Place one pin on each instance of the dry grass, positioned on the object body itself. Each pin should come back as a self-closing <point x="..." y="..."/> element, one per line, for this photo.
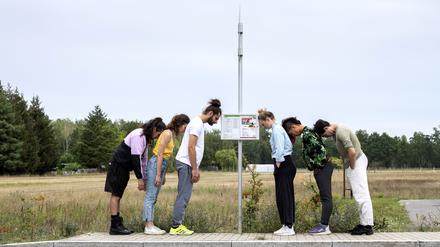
<point x="403" y="184"/>
<point x="51" y="207"/>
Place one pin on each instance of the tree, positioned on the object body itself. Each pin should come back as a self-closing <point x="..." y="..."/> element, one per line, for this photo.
<point x="421" y="150"/>
<point x="63" y="130"/>
<point x="435" y="140"/>
<point x="227" y="159"/>
<point x="403" y="155"/>
<point x="389" y="150"/>
<point x="213" y="143"/>
<point x="258" y="152"/>
<point x="75" y="139"/>
<point x="125" y="127"/>
<point x="98" y="140"/>
<point x="24" y="127"/>
<point x="10" y="145"/>
<point x="46" y="146"/>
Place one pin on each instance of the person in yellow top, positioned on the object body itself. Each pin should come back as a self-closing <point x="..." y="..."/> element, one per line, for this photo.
<point x="157" y="167"/>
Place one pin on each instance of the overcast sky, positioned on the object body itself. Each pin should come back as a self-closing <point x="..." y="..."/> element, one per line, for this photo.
<point x="372" y="65"/>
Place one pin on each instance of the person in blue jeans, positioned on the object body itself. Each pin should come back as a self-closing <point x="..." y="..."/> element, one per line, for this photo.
<point x="157" y="167"/>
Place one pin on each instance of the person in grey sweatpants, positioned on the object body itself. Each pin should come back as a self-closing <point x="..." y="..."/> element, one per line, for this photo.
<point x="184" y="191"/>
<point x="188" y="160"/>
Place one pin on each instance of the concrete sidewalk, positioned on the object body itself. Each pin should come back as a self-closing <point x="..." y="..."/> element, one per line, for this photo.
<point x="422" y="210"/>
<point x="395" y="239"/>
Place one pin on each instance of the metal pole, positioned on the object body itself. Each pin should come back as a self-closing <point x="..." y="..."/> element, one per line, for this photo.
<point x="240" y="109"/>
<point x="343" y="181"/>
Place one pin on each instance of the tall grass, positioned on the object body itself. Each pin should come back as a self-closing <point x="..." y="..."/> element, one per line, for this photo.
<point x="45" y="208"/>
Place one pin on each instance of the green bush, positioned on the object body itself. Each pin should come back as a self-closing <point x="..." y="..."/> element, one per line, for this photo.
<point x="71" y="167"/>
<point x="252" y="197"/>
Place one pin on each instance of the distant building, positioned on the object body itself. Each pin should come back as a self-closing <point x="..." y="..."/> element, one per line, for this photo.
<point x="260" y="168"/>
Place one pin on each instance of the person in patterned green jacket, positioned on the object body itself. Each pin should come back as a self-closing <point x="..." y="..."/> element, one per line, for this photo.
<point x="315" y="158"/>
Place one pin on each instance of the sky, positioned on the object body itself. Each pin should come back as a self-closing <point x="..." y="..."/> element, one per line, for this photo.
<point x="371" y="65"/>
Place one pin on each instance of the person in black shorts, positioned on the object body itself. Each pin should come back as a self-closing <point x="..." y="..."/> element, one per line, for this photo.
<point x="130" y="155"/>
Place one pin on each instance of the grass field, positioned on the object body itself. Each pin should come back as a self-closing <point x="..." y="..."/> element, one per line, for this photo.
<point x="50" y="207"/>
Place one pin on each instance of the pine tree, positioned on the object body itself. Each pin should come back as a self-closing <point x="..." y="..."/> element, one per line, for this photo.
<point x="10" y="145"/>
<point x="45" y="137"/>
<point x="98" y="140"/>
<point x="29" y="152"/>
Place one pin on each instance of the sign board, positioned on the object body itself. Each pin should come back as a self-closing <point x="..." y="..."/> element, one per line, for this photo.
<point x="240" y="127"/>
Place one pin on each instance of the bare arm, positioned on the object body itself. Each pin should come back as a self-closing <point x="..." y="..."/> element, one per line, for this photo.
<point x="351" y="157"/>
<point x="193" y="158"/>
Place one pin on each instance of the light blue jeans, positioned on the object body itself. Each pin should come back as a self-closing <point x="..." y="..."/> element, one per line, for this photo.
<point x="151" y="190"/>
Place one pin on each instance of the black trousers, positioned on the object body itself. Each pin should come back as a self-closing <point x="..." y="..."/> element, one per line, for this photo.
<point x="285" y="194"/>
<point x="323" y="177"/>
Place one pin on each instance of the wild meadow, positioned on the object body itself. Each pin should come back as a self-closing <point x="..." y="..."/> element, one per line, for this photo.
<point x="53" y="207"/>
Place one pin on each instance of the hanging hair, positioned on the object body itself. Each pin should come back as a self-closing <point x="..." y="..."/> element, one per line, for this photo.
<point x="176" y="122"/>
<point x="148" y="128"/>
<point x="263" y="114"/>
<point x="214" y="106"/>
<point x="287" y="124"/>
<point x="319" y="126"/>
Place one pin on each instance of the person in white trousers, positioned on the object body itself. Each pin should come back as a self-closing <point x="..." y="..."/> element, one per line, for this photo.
<point x="356" y="163"/>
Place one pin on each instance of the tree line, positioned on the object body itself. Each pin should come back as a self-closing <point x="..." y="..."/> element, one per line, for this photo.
<point x="31" y="143"/>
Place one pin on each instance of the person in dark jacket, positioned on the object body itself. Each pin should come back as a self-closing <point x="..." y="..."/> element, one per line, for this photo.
<point x="314" y="155"/>
<point x="130" y="155"/>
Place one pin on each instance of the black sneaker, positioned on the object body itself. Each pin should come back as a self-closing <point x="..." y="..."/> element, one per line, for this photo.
<point x="360" y="230"/>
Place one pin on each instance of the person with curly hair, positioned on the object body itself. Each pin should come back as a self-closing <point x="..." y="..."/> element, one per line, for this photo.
<point x="130" y="155"/>
<point x="157" y="167"/>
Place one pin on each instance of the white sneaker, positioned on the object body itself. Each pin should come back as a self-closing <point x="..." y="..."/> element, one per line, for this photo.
<point x="285" y="231"/>
<point x="157" y="228"/>
<point x="153" y="231"/>
<point x="279" y="230"/>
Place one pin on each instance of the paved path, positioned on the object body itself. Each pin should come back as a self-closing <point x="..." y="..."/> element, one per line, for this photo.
<point x="422" y="209"/>
<point x="405" y="239"/>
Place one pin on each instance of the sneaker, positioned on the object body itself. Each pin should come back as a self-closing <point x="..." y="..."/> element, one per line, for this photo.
<point x="360" y="230"/>
<point x="181" y="230"/>
<point x="153" y="231"/>
<point x="320" y="229"/>
<point x="279" y="230"/>
<point x="157" y="228"/>
<point x="285" y="231"/>
<point x="355" y="228"/>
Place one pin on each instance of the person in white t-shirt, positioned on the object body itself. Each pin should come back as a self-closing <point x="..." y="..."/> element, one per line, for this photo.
<point x="188" y="160"/>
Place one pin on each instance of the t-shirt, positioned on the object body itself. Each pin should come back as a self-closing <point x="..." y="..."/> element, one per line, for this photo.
<point x="195" y="127"/>
<point x="345" y="138"/>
